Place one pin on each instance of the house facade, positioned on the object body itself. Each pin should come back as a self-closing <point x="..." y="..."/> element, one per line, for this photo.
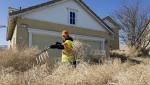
<point x="114" y="39"/>
<point x="41" y="26"/>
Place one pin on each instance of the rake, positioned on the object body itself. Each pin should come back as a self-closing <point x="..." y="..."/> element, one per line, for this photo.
<point x="42" y="56"/>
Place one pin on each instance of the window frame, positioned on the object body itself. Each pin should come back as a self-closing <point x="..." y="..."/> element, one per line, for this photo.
<point x="69" y="10"/>
<point x="72" y="18"/>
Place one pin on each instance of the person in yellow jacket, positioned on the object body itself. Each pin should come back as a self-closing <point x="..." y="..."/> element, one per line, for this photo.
<point x="66" y="47"/>
<point x="67" y="56"/>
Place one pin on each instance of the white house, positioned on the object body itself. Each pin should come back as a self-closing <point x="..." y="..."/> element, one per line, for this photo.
<point x="41" y="25"/>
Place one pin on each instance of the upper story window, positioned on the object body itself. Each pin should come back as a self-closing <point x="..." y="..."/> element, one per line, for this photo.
<point x="72" y="18"/>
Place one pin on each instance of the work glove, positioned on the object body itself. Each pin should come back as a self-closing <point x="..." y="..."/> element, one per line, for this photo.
<point x="58" y="43"/>
<point x="53" y="46"/>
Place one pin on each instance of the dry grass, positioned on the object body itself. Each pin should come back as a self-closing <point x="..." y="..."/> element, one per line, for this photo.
<point x="19" y="60"/>
<point x="110" y="73"/>
<point x="130" y="52"/>
<point x="18" y="68"/>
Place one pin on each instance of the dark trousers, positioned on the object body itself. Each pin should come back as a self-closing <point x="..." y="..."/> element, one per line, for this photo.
<point x="74" y="63"/>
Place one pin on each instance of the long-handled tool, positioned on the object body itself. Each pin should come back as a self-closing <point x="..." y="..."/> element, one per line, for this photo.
<point x="43" y="55"/>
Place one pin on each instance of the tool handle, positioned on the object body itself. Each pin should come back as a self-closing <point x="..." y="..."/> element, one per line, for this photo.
<point x="43" y="51"/>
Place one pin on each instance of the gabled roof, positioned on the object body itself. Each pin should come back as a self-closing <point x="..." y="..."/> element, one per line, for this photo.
<point x="33" y="7"/>
<point x="108" y="28"/>
<point x="112" y="21"/>
<point x="13" y="13"/>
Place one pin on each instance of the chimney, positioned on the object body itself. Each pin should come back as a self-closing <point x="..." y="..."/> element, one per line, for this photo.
<point x="20" y="8"/>
<point x="12" y="9"/>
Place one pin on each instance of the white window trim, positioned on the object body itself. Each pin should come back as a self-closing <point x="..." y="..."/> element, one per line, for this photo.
<point x="30" y="39"/>
<point x="54" y="33"/>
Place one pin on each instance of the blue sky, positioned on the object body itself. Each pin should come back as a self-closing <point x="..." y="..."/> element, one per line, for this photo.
<point x="101" y="7"/>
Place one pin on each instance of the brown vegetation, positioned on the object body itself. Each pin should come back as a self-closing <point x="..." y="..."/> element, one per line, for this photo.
<point x="18" y="68"/>
<point x="19" y="60"/>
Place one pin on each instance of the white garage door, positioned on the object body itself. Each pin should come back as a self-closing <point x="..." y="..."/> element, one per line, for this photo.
<point x="43" y="41"/>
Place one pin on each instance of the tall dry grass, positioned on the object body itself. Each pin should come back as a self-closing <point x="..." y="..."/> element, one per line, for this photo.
<point x="129" y="52"/>
<point x="19" y="60"/>
<point x="18" y="68"/>
<point x="110" y="73"/>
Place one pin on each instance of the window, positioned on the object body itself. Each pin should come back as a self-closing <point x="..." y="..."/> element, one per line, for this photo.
<point x="72" y="18"/>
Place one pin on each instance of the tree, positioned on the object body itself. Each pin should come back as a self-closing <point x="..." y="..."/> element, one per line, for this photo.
<point x="133" y="20"/>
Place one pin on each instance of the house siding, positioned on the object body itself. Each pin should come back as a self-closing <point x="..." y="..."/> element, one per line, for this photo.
<point x="22" y="37"/>
<point x="23" y="34"/>
<point x="59" y="13"/>
<point x="114" y="42"/>
<point x="114" y="38"/>
<point x="59" y="27"/>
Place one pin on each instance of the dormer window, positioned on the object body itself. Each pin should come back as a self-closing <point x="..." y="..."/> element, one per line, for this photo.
<point x="72" y="18"/>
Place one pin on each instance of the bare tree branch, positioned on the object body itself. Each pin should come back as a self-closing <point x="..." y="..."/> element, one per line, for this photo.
<point x="133" y="22"/>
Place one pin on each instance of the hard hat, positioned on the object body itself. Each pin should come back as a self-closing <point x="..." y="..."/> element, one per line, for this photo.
<point x="65" y="32"/>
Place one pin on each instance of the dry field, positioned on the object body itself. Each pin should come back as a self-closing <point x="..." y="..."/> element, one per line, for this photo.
<point x="19" y="68"/>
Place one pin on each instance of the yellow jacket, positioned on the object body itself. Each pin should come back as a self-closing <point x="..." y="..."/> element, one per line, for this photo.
<point x="67" y="52"/>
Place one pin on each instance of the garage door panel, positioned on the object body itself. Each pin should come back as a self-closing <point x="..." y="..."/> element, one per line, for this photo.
<point x="92" y="44"/>
<point x="43" y="41"/>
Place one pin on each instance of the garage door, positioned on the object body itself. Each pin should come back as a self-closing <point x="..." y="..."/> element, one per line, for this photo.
<point x="44" y="38"/>
<point x="94" y="46"/>
<point x="42" y="41"/>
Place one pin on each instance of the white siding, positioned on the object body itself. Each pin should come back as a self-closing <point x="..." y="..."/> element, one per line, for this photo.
<point x="59" y="14"/>
<point x="12" y="42"/>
